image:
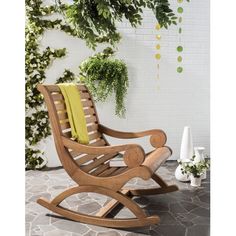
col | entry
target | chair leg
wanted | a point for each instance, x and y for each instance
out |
(140, 220)
(164, 188)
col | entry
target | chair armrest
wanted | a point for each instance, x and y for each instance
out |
(157, 136)
(134, 154)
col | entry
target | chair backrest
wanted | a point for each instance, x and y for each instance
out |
(59, 119)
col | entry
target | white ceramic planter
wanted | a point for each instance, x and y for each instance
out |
(186, 153)
(199, 156)
(179, 176)
(195, 182)
(204, 176)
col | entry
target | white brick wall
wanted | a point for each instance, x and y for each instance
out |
(173, 101)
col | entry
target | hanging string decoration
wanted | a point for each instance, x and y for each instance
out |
(180, 48)
(158, 48)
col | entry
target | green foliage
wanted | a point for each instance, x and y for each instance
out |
(95, 20)
(196, 169)
(36, 62)
(105, 75)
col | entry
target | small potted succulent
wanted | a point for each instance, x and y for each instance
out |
(194, 170)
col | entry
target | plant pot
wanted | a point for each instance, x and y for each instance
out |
(195, 182)
(204, 176)
(199, 154)
(180, 176)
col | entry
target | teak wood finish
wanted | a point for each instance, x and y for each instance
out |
(88, 165)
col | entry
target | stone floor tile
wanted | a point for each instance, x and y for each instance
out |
(71, 226)
(57, 233)
(200, 211)
(198, 230)
(171, 230)
(201, 220)
(186, 210)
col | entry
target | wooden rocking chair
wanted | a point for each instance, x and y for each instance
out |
(88, 165)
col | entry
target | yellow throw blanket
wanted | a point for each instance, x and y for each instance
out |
(75, 112)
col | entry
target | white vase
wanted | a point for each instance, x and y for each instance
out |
(50, 153)
(195, 182)
(186, 150)
(180, 176)
(199, 156)
(186, 153)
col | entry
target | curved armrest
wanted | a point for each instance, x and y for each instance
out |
(134, 154)
(158, 137)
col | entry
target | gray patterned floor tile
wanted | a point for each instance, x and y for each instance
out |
(182, 213)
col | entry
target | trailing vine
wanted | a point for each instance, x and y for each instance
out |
(36, 62)
(95, 20)
(104, 76)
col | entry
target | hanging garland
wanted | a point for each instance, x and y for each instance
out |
(179, 48)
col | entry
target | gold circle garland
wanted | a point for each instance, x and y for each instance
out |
(158, 47)
(180, 48)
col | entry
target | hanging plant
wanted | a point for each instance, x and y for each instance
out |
(105, 75)
(95, 21)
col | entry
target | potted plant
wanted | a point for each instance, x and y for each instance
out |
(105, 75)
(194, 170)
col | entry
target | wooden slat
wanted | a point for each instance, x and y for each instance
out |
(97, 162)
(57, 97)
(89, 111)
(84, 95)
(100, 142)
(60, 106)
(67, 134)
(62, 116)
(94, 136)
(64, 121)
(87, 103)
(108, 172)
(55, 88)
(74, 153)
(99, 169)
(119, 171)
(82, 160)
(104, 211)
(91, 119)
(65, 125)
(93, 127)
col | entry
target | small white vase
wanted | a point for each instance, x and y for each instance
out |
(199, 156)
(195, 182)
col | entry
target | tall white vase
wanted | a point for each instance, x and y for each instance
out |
(50, 153)
(186, 153)
(186, 150)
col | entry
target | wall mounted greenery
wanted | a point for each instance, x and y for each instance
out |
(104, 76)
(36, 62)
